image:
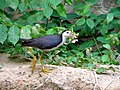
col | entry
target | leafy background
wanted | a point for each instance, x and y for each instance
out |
(99, 34)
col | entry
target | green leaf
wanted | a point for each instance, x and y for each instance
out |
(104, 29)
(61, 10)
(3, 4)
(74, 59)
(22, 7)
(106, 51)
(118, 21)
(94, 54)
(47, 11)
(86, 9)
(90, 23)
(91, 66)
(118, 1)
(69, 2)
(13, 34)
(31, 19)
(35, 32)
(69, 60)
(13, 4)
(33, 4)
(55, 2)
(80, 22)
(107, 46)
(39, 16)
(44, 3)
(104, 58)
(3, 33)
(50, 31)
(103, 40)
(116, 13)
(110, 17)
(80, 54)
(100, 70)
(25, 33)
(86, 44)
(92, 1)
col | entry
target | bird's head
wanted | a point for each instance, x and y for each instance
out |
(67, 34)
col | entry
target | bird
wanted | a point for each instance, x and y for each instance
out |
(46, 43)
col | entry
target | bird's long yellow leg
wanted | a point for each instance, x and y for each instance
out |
(34, 60)
(44, 70)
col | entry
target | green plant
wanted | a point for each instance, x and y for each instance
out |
(98, 40)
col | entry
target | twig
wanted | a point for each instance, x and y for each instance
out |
(108, 84)
(43, 83)
(96, 81)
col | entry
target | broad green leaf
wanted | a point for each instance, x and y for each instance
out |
(75, 51)
(100, 70)
(86, 44)
(55, 2)
(91, 66)
(50, 31)
(106, 51)
(47, 11)
(69, 2)
(92, 1)
(107, 46)
(116, 13)
(69, 60)
(61, 10)
(3, 4)
(25, 33)
(104, 58)
(3, 33)
(118, 21)
(74, 59)
(94, 54)
(80, 54)
(31, 19)
(103, 40)
(44, 3)
(22, 7)
(110, 17)
(39, 16)
(86, 9)
(118, 1)
(78, 6)
(80, 22)
(13, 4)
(13, 34)
(33, 4)
(34, 32)
(90, 23)
(104, 29)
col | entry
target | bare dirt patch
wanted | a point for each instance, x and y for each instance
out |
(17, 76)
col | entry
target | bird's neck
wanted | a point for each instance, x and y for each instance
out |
(63, 39)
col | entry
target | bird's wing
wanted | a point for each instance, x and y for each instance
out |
(45, 42)
(48, 42)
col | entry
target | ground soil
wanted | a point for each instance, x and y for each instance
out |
(17, 76)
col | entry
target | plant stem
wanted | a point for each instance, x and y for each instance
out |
(97, 45)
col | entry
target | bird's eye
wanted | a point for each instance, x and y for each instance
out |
(67, 32)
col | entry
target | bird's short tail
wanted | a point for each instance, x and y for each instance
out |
(26, 42)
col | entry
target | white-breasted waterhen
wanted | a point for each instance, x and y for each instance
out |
(46, 43)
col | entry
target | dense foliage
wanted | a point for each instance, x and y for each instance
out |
(99, 35)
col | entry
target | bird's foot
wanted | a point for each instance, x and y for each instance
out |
(46, 71)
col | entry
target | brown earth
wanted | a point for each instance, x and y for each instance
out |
(17, 76)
